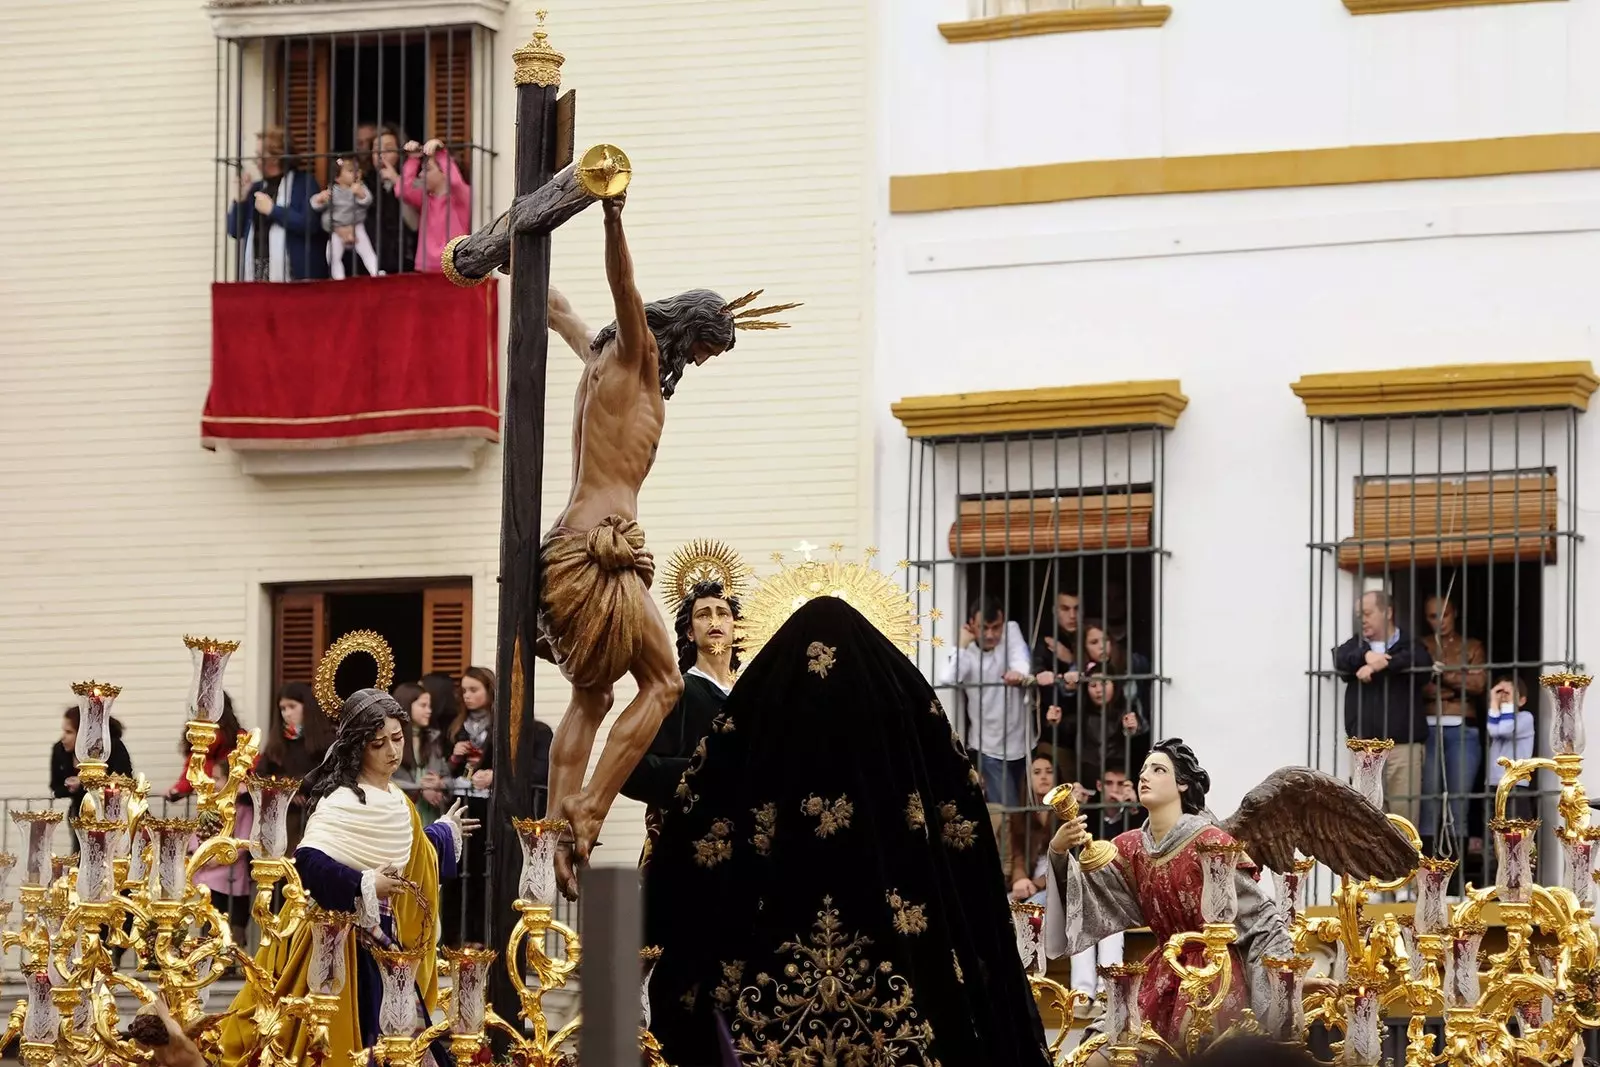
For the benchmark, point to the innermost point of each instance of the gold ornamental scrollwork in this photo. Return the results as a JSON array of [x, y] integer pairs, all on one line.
[[536, 63], [367, 641]]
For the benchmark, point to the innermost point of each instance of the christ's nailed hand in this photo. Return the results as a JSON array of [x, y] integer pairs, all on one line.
[[612, 206]]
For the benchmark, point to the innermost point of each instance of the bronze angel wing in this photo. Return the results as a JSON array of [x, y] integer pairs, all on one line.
[[1323, 817]]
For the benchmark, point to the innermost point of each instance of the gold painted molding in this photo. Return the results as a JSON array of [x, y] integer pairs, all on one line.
[[1460, 387], [1052, 182], [1072, 407], [1035, 23], [1385, 7]]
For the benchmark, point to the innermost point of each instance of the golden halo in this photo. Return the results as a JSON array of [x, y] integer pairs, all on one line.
[[704, 560], [367, 641]]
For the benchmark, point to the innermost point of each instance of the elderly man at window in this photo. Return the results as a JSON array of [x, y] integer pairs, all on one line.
[[1455, 747]]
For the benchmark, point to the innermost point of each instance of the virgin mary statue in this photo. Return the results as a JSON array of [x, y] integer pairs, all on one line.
[[363, 841]]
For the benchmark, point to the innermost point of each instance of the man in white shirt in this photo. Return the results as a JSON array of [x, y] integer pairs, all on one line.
[[990, 665]]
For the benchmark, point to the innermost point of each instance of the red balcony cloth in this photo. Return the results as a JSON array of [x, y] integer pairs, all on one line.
[[354, 362]]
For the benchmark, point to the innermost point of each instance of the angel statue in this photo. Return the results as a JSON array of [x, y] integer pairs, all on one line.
[[1154, 874]]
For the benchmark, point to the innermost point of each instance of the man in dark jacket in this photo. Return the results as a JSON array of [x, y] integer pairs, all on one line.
[[1385, 670]]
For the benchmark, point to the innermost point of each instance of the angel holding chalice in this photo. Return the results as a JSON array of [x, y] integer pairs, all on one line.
[[1154, 876]]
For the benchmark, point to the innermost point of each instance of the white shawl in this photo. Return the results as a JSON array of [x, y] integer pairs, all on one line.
[[364, 837], [277, 237]]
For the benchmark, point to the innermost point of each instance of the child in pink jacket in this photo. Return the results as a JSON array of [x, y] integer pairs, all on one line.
[[433, 185]]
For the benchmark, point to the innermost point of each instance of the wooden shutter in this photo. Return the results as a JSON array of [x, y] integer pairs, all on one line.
[[300, 636], [449, 115], [447, 630], [1459, 519], [302, 79], [1021, 525]]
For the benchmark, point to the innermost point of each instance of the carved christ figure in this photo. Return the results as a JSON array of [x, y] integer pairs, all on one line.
[[596, 619]]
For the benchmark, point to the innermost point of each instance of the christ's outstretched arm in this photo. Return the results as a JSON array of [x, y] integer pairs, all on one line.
[[566, 323], [636, 346]]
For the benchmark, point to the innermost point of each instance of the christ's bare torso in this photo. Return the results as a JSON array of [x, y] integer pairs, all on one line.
[[617, 419]]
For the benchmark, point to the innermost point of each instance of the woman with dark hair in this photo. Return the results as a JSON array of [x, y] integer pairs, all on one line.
[[424, 768], [296, 738], [1109, 731], [365, 851], [1156, 881], [64, 782], [471, 763]]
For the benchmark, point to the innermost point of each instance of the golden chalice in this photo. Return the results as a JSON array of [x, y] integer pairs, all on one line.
[[1095, 854]]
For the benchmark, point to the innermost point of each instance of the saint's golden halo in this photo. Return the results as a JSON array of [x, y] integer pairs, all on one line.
[[704, 560], [368, 641], [876, 595]]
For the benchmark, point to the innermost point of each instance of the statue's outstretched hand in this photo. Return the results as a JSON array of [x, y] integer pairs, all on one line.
[[612, 205], [1071, 835], [466, 824]]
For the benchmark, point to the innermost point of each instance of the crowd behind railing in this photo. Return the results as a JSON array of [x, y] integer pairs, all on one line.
[[449, 756], [391, 205]]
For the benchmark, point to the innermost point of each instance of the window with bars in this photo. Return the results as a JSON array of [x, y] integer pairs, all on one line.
[[293, 111], [1041, 550], [1443, 585]]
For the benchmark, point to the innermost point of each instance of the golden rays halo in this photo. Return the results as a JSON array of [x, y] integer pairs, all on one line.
[[704, 560], [878, 596], [367, 641], [749, 318]]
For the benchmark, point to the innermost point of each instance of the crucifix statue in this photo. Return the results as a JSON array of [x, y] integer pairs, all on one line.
[[580, 597]]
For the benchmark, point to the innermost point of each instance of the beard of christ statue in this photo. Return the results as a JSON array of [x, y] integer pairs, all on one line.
[[596, 620]]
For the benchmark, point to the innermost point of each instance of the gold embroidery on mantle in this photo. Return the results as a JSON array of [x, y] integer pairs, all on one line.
[[956, 960], [821, 657], [836, 1007], [715, 847], [833, 817], [915, 819], [722, 724], [766, 825], [727, 990], [684, 792], [957, 832], [909, 919]]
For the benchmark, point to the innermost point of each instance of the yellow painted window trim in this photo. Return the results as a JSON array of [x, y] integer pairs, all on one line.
[[1035, 23], [1047, 183], [1460, 387], [1072, 407], [1388, 7]]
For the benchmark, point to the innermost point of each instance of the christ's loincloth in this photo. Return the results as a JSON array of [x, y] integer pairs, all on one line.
[[595, 602]]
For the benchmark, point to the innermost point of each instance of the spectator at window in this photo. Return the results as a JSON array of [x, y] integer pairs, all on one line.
[[64, 781], [366, 135], [1119, 799], [991, 665], [1453, 751], [295, 740], [392, 223], [471, 763], [1110, 732], [1055, 659], [1030, 831], [1384, 671], [227, 740], [1099, 646], [434, 186], [425, 767], [1511, 730], [344, 206], [279, 237]]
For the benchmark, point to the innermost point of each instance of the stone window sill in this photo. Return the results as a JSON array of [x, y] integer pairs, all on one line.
[[1079, 20], [1387, 7]]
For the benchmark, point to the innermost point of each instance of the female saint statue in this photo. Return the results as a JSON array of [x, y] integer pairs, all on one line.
[[363, 844]]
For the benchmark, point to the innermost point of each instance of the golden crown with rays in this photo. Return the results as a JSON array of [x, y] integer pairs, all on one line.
[[885, 602], [751, 318], [704, 560], [369, 642]]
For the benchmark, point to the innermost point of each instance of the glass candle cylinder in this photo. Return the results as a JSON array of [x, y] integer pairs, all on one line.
[[1461, 965], [1433, 882], [469, 1005], [1123, 1021], [1566, 719], [139, 854], [43, 1021], [94, 721], [397, 1008], [97, 837], [1219, 890], [170, 852], [648, 958], [1367, 757], [210, 663], [1293, 888], [116, 799], [37, 828], [1514, 851], [1025, 921], [1408, 937], [539, 837], [1286, 1012], [326, 970], [1363, 1035], [271, 798], [1577, 863]]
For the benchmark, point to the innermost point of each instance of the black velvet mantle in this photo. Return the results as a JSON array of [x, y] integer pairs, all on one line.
[[827, 880]]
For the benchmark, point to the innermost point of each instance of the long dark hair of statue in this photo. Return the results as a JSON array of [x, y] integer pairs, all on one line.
[[1187, 771], [363, 715], [683, 623], [680, 323]]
